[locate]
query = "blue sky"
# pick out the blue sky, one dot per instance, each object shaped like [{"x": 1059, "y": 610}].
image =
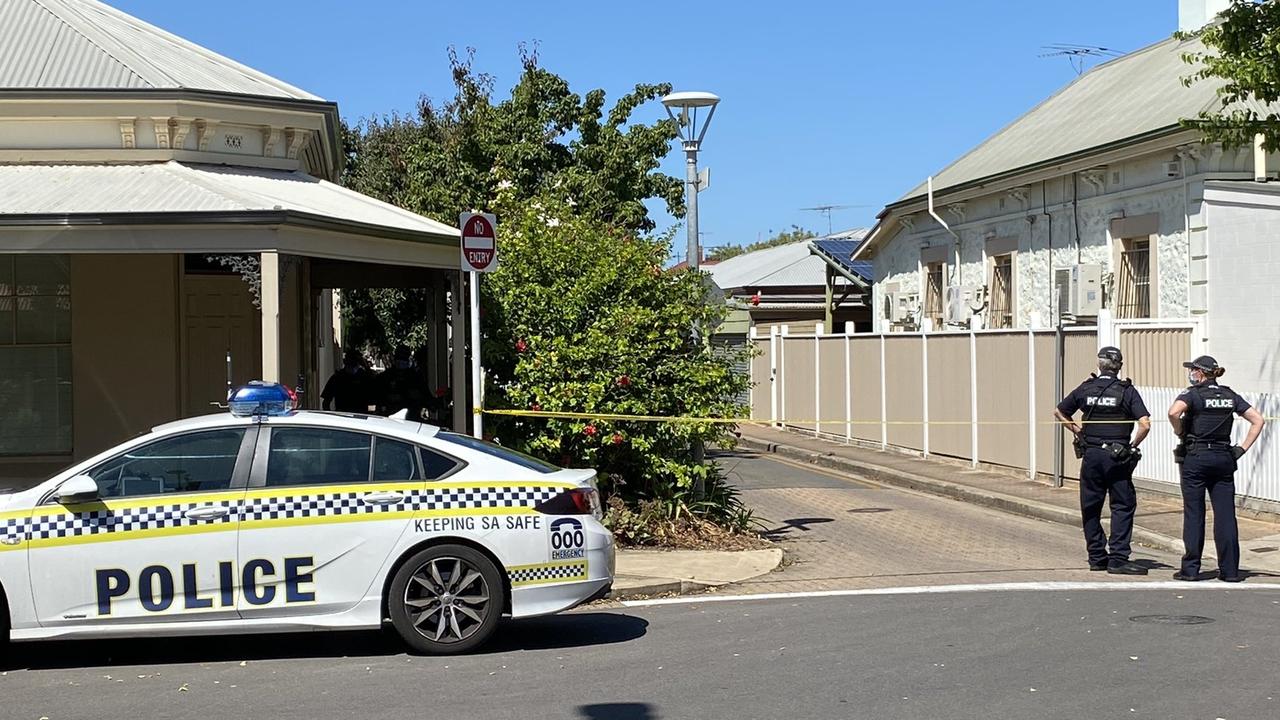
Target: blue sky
[{"x": 824, "y": 102}]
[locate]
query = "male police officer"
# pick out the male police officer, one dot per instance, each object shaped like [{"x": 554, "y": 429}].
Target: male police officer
[{"x": 1108, "y": 458}]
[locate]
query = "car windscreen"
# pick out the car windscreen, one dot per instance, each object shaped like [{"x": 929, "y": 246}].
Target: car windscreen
[{"x": 512, "y": 456}]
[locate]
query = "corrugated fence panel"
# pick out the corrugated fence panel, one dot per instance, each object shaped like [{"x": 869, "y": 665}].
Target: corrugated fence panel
[
  {"x": 832, "y": 384},
  {"x": 763, "y": 384},
  {"x": 1157, "y": 456},
  {"x": 798, "y": 396},
  {"x": 903, "y": 388},
  {"x": 864, "y": 380},
  {"x": 1153, "y": 357},
  {"x": 950, "y": 408},
  {"x": 1003, "y": 365},
  {"x": 1259, "y": 471},
  {"x": 1046, "y": 398}
]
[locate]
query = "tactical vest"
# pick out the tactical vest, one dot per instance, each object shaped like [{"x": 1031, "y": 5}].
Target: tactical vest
[
  {"x": 1105, "y": 410},
  {"x": 1211, "y": 416}
]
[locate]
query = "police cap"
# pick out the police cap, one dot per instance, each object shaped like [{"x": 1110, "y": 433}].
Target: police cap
[
  {"x": 1203, "y": 363},
  {"x": 1110, "y": 353}
]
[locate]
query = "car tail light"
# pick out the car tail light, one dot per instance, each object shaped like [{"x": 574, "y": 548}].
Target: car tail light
[{"x": 575, "y": 501}]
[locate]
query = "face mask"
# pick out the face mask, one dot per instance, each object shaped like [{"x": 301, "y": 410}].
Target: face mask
[{"x": 1191, "y": 378}]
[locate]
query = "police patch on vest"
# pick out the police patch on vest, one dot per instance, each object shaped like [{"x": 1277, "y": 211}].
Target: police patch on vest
[
  {"x": 1102, "y": 401},
  {"x": 1219, "y": 403}
]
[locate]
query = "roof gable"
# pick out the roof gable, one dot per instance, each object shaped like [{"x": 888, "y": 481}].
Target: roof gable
[{"x": 85, "y": 44}]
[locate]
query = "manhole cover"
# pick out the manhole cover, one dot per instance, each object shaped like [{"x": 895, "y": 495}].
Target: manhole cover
[{"x": 1172, "y": 619}]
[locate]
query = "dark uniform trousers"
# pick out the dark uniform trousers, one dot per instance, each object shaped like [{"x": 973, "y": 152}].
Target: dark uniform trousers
[
  {"x": 1212, "y": 471},
  {"x": 1101, "y": 476}
]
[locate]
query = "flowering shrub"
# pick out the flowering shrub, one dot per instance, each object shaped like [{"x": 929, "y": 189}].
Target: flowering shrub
[{"x": 576, "y": 322}]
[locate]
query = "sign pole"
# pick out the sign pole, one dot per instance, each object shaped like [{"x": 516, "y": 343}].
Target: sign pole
[
  {"x": 477, "y": 372},
  {"x": 479, "y": 255}
]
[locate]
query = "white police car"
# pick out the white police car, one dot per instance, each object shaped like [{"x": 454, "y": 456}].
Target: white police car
[{"x": 268, "y": 520}]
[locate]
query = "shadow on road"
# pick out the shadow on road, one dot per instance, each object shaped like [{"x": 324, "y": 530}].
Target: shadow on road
[
  {"x": 549, "y": 633},
  {"x": 618, "y": 711},
  {"x": 801, "y": 524}
]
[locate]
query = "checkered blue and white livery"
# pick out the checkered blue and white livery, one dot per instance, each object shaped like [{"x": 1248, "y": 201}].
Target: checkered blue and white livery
[{"x": 266, "y": 509}]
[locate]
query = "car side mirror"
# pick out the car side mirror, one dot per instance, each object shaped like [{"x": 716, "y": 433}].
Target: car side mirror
[{"x": 79, "y": 489}]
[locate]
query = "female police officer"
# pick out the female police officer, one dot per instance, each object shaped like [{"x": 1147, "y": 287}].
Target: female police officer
[{"x": 1202, "y": 417}]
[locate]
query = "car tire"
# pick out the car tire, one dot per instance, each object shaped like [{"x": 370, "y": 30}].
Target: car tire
[{"x": 446, "y": 599}]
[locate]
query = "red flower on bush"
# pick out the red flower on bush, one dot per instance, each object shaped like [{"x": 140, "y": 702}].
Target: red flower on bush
[
  {"x": 521, "y": 346},
  {"x": 617, "y": 438},
  {"x": 624, "y": 381},
  {"x": 590, "y": 431},
  {"x": 535, "y": 407}
]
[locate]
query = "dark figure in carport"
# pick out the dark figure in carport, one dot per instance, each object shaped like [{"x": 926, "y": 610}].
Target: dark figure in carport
[
  {"x": 1202, "y": 417},
  {"x": 1107, "y": 459}
]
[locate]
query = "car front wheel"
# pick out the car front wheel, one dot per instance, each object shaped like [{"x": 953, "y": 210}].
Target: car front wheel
[{"x": 446, "y": 599}]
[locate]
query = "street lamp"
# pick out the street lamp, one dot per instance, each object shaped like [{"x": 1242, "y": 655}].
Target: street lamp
[{"x": 691, "y": 134}]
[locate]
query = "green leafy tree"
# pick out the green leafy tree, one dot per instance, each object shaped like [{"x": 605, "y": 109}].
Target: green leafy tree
[
  {"x": 581, "y": 317},
  {"x": 786, "y": 237},
  {"x": 542, "y": 140},
  {"x": 1242, "y": 53}
]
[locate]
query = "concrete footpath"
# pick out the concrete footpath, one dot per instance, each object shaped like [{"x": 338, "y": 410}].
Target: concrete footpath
[
  {"x": 658, "y": 572},
  {"x": 1158, "y": 522}
]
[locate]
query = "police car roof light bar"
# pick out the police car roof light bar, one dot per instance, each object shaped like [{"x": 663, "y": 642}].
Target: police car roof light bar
[{"x": 261, "y": 399}]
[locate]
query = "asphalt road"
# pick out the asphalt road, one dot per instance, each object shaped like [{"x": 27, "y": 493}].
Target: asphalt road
[{"x": 970, "y": 655}]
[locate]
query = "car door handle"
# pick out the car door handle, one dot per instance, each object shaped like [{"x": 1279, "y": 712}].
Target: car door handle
[
  {"x": 208, "y": 512},
  {"x": 383, "y": 498}
]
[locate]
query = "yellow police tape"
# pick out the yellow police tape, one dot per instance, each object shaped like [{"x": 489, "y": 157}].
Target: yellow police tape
[{"x": 559, "y": 415}]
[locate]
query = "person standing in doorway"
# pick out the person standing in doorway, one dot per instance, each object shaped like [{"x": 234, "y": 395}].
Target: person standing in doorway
[
  {"x": 1202, "y": 417},
  {"x": 400, "y": 387},
  {"x": 1107, "y": 446},
  {"x": 348, "y": 389}
]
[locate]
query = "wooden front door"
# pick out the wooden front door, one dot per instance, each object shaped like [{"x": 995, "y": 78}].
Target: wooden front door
[{"x": 219, "y": 317}]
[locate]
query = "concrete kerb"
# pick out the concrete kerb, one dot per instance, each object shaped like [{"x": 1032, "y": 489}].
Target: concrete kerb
[{"x": 999, "y": 501}]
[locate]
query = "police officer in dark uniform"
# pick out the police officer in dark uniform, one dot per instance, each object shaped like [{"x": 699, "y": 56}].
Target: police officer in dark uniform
[
  {"x": 1108, "y": 457},
  {"x": 1202, "y": 417}
]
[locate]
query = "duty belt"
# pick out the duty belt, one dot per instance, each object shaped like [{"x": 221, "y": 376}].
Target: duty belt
[
  {"x": 1105, "y": 445},
  {"x": 1208, "y": 445}
]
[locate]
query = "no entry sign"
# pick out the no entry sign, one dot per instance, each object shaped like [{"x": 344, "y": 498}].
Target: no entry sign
[{"x": 479, "y": 242}]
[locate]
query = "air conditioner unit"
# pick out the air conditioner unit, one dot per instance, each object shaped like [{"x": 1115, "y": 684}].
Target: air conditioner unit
[
  {"x": 962, "y": 302},
  {"x": 1079, "y": 290},
  {"x": 903, "y": 307}
]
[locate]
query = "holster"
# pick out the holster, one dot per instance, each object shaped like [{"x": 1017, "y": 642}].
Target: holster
[
  {"x": 1078, "y": 446},
  {"x": 1180, "y": 452}
]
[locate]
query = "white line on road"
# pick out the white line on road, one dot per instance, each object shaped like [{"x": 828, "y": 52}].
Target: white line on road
[{"x": 970, "y": 588}]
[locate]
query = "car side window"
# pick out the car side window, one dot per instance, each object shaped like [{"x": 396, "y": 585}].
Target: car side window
[
  {"x": 317, "y": 456},
  {"x": 435, "y": 465},
  {"x": 197, "y": 462},
  {"x": 394, "y": 461}
]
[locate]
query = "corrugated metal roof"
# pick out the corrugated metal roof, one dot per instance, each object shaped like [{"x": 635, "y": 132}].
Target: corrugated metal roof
[
  {"x": 174, "y": 187},
  {"x": 1124, "y": 98},
  {"x": 787, "y": 265},
  {"x": 85, "y": 44}
]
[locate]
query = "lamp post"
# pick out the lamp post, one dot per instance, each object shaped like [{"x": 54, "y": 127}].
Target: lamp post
[{"x": 691, "y": 134}]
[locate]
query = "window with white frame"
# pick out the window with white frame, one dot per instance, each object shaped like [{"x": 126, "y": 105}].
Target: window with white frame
[
  {"x": 1001, "y": 299},
  {"x": 935, "y": 279},
  {"x": 35, "y": 355},
  {"x": 1133, "y": 279}
]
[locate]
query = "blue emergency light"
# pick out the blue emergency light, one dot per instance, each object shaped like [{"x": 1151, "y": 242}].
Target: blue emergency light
[{"x": 260, "y": 398}]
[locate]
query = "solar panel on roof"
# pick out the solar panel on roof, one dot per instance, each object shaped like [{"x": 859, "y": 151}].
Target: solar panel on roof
[{"x": 840, "y": 251}]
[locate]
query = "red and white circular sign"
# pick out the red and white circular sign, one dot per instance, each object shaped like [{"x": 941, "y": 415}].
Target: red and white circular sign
[{"x": 479, "y": 242}]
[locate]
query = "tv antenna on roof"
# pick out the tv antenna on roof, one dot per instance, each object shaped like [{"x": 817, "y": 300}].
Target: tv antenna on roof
[
  {"x": 826, "y": 210},
  {"x": 1078, "y": 55}
]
